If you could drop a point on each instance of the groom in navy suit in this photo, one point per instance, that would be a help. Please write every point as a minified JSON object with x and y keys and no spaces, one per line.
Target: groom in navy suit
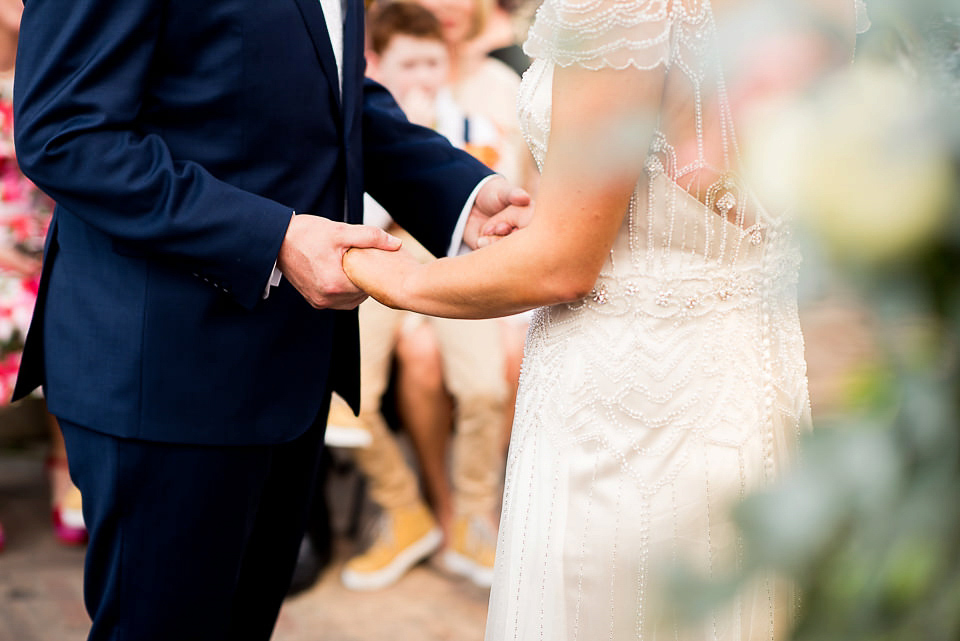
{"x":208,"y":158}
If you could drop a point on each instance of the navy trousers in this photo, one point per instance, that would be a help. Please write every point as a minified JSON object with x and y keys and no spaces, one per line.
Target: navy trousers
{"x":190,"y":542}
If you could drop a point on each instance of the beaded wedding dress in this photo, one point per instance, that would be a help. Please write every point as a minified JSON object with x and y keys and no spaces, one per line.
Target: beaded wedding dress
{"x":679,"y":385}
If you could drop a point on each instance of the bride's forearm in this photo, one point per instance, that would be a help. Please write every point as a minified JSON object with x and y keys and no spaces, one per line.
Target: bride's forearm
{"x":546,"y":263}
{"x":520,"y":272}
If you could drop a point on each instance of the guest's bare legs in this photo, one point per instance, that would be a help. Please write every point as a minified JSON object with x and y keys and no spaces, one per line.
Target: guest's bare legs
{"x":426,"y":412}
{"x":471,"y":368}
{"x":60,"y":483}
{"x":392,"y":483}
{"x":407,"y":532}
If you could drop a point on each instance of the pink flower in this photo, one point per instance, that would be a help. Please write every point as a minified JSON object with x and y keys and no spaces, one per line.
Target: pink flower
{"x":32,"y":286}
{"x":6,"y":117}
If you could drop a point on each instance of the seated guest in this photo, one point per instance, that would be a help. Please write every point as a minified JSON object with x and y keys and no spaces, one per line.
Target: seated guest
{"x":410,"y":58}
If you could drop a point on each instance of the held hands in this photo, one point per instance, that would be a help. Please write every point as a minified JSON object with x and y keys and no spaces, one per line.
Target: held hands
{"x":314,"y":255}
{"x":383,"y":275}
{"x":390,"y":277}
{"x":394,"y":278}
{"x":498,"y":210}
{"x":311,"y":256}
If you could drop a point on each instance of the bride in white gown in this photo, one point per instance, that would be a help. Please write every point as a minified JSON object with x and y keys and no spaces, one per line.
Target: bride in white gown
{"x":664,"y":375}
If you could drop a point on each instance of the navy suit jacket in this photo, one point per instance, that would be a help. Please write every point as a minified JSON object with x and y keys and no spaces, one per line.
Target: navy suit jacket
{"x":177,"y":136}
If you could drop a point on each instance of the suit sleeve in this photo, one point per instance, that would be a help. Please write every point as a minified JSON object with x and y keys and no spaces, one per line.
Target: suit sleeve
{"x":415,"y":173}
{"x":82,"y":70}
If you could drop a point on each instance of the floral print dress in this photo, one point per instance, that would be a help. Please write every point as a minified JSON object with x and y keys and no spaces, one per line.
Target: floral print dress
{"x":24,"y":217}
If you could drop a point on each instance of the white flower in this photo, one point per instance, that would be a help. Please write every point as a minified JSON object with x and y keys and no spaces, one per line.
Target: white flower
{"x":7,"y":329}
{"x":862,"y":162}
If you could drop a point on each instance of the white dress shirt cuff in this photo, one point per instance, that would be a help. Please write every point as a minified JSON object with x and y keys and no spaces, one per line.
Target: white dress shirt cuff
{"x":457,"y":246}
{"x":275,"y":275}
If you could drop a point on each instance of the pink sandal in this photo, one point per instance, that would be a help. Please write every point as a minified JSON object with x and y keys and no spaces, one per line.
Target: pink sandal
{"x":67,"y":513}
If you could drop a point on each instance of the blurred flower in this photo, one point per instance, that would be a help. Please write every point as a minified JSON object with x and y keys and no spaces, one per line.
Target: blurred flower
{"x":862,"y":161}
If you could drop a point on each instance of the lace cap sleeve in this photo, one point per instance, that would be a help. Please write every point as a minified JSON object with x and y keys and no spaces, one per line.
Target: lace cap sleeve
{"x":602,"y":33}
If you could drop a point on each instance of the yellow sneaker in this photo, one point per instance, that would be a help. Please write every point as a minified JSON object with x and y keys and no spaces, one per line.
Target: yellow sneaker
{"x":471,"y":550}
{"x":405,"y":537}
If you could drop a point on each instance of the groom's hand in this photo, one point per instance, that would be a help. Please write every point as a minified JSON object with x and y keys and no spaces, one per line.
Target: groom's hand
{"x":498,"y":209}
{"x":311,"y":258}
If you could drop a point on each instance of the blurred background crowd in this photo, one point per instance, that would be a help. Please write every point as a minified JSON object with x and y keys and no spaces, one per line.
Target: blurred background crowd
{"x":869,"y":523}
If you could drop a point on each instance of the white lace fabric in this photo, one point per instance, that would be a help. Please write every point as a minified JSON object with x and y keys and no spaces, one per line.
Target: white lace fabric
{"x":677,"y":386}
{"x":619,"y":33}
{"x":602,"y":33}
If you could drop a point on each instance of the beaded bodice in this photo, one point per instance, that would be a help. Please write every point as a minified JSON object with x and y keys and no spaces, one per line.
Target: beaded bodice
{"x":698,"y":254}
{"x":693,"y":215}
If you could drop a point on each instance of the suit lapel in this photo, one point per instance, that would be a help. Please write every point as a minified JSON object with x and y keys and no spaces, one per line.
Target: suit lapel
{"x":313,"y":16}
{"x":353,"y":65}
{"x":352,"y":52}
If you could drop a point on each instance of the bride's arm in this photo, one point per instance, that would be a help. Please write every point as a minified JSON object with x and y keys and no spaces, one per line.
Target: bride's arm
{"x":601,"y":125}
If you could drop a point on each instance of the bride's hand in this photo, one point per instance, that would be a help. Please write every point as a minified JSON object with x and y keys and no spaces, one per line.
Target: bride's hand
{"x":381,"y":274}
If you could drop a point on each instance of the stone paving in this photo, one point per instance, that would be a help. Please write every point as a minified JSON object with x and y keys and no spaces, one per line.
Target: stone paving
{"x":41,"y":584}
{"x":40,"y":580}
